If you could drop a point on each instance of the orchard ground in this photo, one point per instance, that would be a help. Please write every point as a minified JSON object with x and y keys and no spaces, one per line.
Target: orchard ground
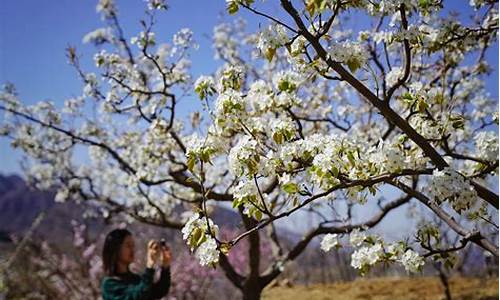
{"x":421,"y":288}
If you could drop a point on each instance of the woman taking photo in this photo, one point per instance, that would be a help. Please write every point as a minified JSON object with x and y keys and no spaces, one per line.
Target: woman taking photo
{"x":120,"y":283}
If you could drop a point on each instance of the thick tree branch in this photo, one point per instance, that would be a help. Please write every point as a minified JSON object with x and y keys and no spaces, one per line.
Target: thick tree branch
{"x":346,"y":184}
{"x":406,"y":44}
{"x":275,"y":270}
{"x":230,"y":272}
{"x":392,"y":116}
{"x":474,"y":237}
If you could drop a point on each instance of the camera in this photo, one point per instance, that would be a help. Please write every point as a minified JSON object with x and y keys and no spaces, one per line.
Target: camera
{"x":163,"y":243}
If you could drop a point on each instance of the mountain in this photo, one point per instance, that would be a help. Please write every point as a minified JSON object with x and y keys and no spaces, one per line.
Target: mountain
{"x":20,"y":205}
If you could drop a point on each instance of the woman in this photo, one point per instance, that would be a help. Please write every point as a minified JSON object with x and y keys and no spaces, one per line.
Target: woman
{"x":120,"y":283}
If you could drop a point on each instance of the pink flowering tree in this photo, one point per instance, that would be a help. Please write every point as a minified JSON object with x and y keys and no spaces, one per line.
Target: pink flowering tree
{"x":41,"y":269}
{"x":305,"y":116}
{"x":75,"y":271}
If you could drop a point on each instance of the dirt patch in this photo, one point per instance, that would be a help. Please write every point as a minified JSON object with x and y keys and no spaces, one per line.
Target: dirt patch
{"x":419,"y":288}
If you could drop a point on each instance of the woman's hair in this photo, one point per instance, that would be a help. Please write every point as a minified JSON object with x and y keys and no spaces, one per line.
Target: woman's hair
{"x":111,"y":250}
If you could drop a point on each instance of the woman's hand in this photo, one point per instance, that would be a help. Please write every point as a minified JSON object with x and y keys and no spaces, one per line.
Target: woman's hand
{"x":166,"y":256}
{"x":152,"y":254}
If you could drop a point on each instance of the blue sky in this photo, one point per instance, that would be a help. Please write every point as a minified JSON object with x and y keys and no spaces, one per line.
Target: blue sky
{"x":34,"y":34}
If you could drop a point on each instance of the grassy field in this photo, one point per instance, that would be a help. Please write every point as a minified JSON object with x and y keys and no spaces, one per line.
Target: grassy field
{"x":425,"y":288}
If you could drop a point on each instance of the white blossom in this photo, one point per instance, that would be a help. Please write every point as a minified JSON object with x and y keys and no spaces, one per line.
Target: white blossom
{"x":99,"y":36}
{"x":285,"y":99}
{"x":90,"y":85}
{"x":412,"y":261}
{"x":487,"y":145}
{"x":393,"y":76}
{"x":356,"y":237}
{"x":447,"y":184}
{"x":196,"y":222}
{"x":144,"y":39}
{"x":260,"y":96}
{"x":284,"y":127}
{"x":287,"y":81}
{"x":183,"y":37}
{"x":388,"y":157}
{"x":244,"y":189}
{"x":207,"y":253}
{"x":429,"y":129}
{"x":271,"y":38}
{"x":352,"y":54}
{"x":106,"y":7}
{"x":329,"y":241}
{"x":297,"y":46}
{"x":156,"y":4}
{"x":71,"y":106}
{"x":194,"y":144}
{"x":241,"y":155}
{"x":204,"y":86}
{"x":230,"y":102}
{"x":366,"y":256}
{"x":231,"y":78}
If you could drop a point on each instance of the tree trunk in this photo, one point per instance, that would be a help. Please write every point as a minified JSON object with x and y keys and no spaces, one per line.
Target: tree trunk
{"x":444,"y":281}
{"x":252,"y":294}
{"x":252,"y":290}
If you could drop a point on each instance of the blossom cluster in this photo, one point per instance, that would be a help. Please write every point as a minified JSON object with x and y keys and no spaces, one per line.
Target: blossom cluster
{"x":352,"y":54}
{"x":329,"y":241}
{"x":243,"y":158}
{"x":371,"y":249}
{"x":487,"y":145}
{"x":270,"y":39}
{"x":197,"y":236}
{"x":247,"y":194}
{"x":204,"y":86}
{"x":448,"y":184}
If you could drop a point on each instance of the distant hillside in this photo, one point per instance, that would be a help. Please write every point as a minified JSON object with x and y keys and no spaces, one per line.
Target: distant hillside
{"x":20,"y":204}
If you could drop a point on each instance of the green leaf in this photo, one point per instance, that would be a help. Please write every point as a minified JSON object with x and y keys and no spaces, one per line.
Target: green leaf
{"x":224,"y":248}
{"x":402,"y":138}
{"x":232,"y":7}
{"x":269,"y":53}
{"x":316,"y":6}
{"x":424,"y":3}
{"x":457,"y":121}
{"x":290,"y":188}
{"x":201,"y":240}
{"x":311,"y":7}
{"x":407,"y":96}
{"x":421,"y":105}
{"x":350,"y":157}
{"x":278,"y":137}
{"x":191,"y":161}
{"x":353,"y":65}
{"x":236,"y":203}
{"x":253,"y":166}
{"x":372,"y":190}
{"x":335,"y":172}
{"x":288,"y":135}
{"x":258,"y":215}
{"x":195,"y":236}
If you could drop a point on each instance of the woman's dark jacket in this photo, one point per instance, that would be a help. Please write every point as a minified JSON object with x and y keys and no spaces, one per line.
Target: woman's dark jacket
{"x":131,"y":286}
